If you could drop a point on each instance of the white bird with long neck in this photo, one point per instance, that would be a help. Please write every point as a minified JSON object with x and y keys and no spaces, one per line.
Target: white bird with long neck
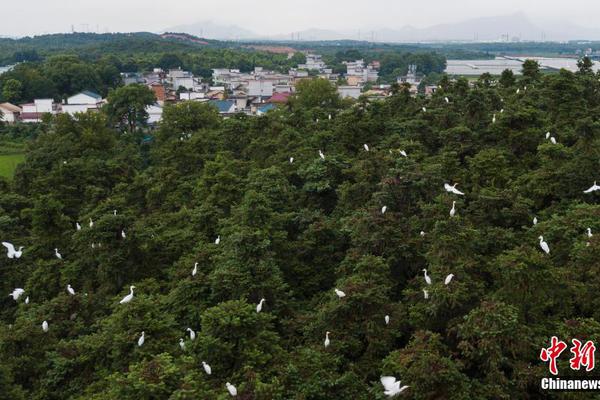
{"x":207,"y":368}
{"x":392,"y":386}
{"x":427,"y":277}
{"x":57,"y":254}
{"x":77,"y":226}
{"x":447,"y":100}
{"x":11,"y":252}
{"x":453,"y":209}
{"x":448,"y":279}
{"x":387,"y":319}
{"x":91,"y":223}
{"x":70,"y":290}
{"x":452,"y":189}
{"x":327,"y":342}
{"x":45,"y":326}
{"x":425,"y":294}
{"x":321,"y":154}
{"x":195,"y":270}
{"x":535,"y":220}
{"x":231,"y":389}
{"x":589,"y":232}
{"x":383,"y":209}
{"x":592,"y":189}
{"x":339,"y":293}
{"x":553,"y":140}
{"x":123,"y":234}
{"x":27,"y":300}
{"x":141,"y":339}
{"x":129,"y":297}
{"x":544,"y":245}
{"x":548,"y":134}
{"x":494,"y":119}
{"x":182,"y":344}
{"x":192,"y":334}
{"x":366,"y":147}
{"x":291,"y":160}
{"x":218,"y":239}
{"x":259,"y":306}
{"x":403,"y":153}
{"x":16,"y":293}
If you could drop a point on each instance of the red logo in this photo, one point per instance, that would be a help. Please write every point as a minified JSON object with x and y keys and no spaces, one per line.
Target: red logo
{"x":552,"y":353}
{"x":583,"y":355}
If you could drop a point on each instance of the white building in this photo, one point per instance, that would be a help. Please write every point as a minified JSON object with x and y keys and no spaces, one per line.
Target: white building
{"x":154,"y":114}
{"x":349,"y":91}
{"x":313,"y":62}
{"x":82,"y":102}
{"x":9,"y":113}
{"x":260,"y":88}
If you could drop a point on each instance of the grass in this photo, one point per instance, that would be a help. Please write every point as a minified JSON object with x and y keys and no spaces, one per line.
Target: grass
{"x":9,"y":162}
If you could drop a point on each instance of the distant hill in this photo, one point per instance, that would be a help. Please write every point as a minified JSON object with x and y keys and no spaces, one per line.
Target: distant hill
{"x":211,"y":30}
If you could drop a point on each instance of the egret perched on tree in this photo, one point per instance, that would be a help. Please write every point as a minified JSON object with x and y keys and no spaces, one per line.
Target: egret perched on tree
{"x":424,"y":109}
{"x":403,"y":153}
{"x":447,"y":100}
{"x":392,"y":386}
{"x":427,"y":277}
{"x":18,"y":292}
{"x":77,"y":226}
{"x":45,"y":326}
{"x":182,"y":344}
{"x":57,"y":254}
{"x":11,"y":252}
{"x":192,"y":334}
{"x":339,"y":293}
{"x":321,"y":154}
{"x":592,"y":189}
{"x":231,"y":389}
{"x":548,"y":135}
{"x":589,"y":232}
{"x":291,"y":160}
{"x":142,"y":339}
{"x":218,"y":239}
{"x":494,"y":119}
{"x":129,"y":297}
{"x":387,"y":319}
{"x":422,"y":233}
{"x":91,"y":223}
{"x":70,"y":290}
{"x":383,"y":209}
{"x":114,"y":212}
{"x":553,"y":140}
{"x":535,"y":220}
{"x":195,"y":270}
{"x":123,"y":235}
{"x":207,"y":368}
{"x":27,"y":300}
{"x":448,"y":279}
{"x":327,"y":342}
{"x":544,"y":245}
{"x":366,"y":146}
{"x":259,"y":306}
{"x":453,"y":189}
{"x":425,"y":294}
{"x":453,"y":209}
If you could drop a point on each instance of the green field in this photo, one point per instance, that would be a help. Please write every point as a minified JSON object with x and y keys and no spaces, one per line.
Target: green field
{"x":8,"y":164}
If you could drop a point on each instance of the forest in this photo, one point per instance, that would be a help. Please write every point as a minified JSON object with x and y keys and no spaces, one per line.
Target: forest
{"x":306,"y":253}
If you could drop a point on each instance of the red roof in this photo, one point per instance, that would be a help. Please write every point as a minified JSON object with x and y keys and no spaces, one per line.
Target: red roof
{"x":280,"y":97}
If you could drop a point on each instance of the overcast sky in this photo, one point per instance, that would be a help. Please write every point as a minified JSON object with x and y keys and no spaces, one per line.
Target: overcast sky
{"x":268,"y":17}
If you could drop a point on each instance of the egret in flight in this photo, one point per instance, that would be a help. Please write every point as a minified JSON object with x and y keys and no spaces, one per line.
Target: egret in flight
{"x":544,"y":245}
{"x":259,"y":306}
{"x":427,"y":277}
{"x":129,"y":297}
{"x":392,"y":386}
{"x":339,"y":293}
{"x":453,"y":189}
{"x":18,"y":292}
{"x":11,"y":252}
{"x":590,"y":190}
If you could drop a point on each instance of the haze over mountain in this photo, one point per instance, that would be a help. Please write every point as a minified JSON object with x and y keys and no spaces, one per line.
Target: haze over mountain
{"x":505,"y":27}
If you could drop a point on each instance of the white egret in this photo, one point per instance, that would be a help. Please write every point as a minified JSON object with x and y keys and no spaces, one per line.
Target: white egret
{"x":182,"y":344}
{"x":45,"y":326}
{"x":423,"y":233}
{"x":218,"y":239}
{"x":321,"y":154}
{"x":448,"y":279}
{"x":403,"y":153}
{"x":548,"y":135}
{"x":453,"y":209}
{"x":207,"y":368}
{"x":195,"y":270}
{"x":535,"y":220}
{"x":339,"y":293}
{"x":589,"y":232}
{"x":192,"y":334}
{"x":501,"y":110}
{"x":259,"y":306}
{"x":425,"y":294}
{"x":11,"y":252}
{"x":77,"y":226}
{"x":594,"y":188}
{"x":18,"y":292}
{"x":129,"y":297}
{"x":330,"y":116}
{"x":123,"y":235}
{"x":447,"y":100}
{"x":327,"y":342}
{"x":57,"y":254}
{"x":366,"y":146}
{"x":392,"y":386}
{"x":91,"y":223}
{"x":553,"y":140}
{"x":231,"y":389}
{"x":142,"y":339}
{"x":427,"y":277}
{"x":544,"y":245}
{"x":114,"y":212}
{"x":383,"y":209}
{"x":494,"y":119}
{"x":424,"y":109}
{"x":27,"y":300}
{"x":453,"y":189}
{"x":387,"y":319}
{"x":70,"y":290}
{"x":291,"y":160}
{"x":518,"y":90}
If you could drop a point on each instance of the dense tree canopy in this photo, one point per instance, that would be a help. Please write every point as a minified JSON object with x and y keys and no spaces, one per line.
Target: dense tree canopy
{"x":291,"y":232}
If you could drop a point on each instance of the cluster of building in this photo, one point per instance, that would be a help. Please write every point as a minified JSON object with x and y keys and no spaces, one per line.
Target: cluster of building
{"x":231,"y":91}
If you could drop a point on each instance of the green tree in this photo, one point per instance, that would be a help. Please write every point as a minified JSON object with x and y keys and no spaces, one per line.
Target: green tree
{"x":127,"y":106}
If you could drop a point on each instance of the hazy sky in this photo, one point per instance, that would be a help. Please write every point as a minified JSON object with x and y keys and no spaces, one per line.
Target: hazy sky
{"x":273,"y":16}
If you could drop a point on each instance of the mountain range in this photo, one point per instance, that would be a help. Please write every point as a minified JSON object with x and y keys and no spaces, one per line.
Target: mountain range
{"x":505,"y":27}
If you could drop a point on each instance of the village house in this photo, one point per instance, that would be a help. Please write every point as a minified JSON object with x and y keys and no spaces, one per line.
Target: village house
{"x":9,"y":113}
{"x":33,"y":112}
{"x":82,"y":102}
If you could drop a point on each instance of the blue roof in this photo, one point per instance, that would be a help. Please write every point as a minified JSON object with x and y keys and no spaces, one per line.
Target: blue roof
{"x":223,"y":105}
{"x":266,"y":107}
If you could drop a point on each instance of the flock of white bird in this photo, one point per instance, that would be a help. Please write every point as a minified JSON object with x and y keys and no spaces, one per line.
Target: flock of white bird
{"x":392,"y":387}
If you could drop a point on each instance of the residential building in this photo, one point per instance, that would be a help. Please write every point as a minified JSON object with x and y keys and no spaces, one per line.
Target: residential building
{"x":314,"y":62}
{"x":154,"y":114}
{"x":82,"y":102}
{"x":349,"y":91}
{"x":9,"y":113}
{"x":262,"y":88}
{"x":33,"y":112}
